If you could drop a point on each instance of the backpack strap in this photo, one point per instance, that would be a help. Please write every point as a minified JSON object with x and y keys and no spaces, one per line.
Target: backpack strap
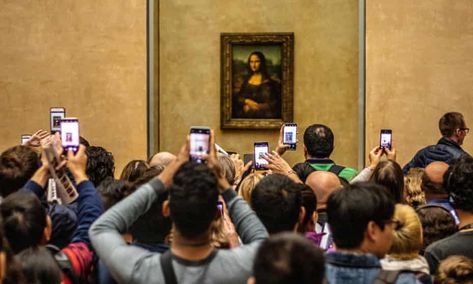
{"x":387,"y":276}
{"x":336,"y":169}
{"x":166,"y":267}
{"x":64,"y":263}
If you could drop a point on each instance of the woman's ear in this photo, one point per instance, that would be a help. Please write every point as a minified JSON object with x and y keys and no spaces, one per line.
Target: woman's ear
{"x":166,"y":210}
{"x":48,"y":230}
{"x":251,"y":280}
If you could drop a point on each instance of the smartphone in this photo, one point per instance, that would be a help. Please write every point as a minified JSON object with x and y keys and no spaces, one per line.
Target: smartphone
{"x":290,"y":135}
{"x":56,"y":114}
{"x":247,"y":158}
{"x":199,"y":143}
{"x":386,"y":139}
{"x":261,"y":148}
{"x":220,"y":208}
{"x":70,"y":133}
{"x":25,"y":138}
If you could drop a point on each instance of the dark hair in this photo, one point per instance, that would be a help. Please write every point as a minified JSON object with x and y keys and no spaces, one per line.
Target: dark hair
{"x":350,"y":209}
{"x":262,"y":66}
{"x":309,"y":201}
{"x":111,"y":191}
{"x":12,"y":273}
{"x":449,"y":122}
{"x":437,"y":223}
{"x":277,"y":201}
{"x":288,"y":258}
{"x":455,"y":269}
{"x":24,"y":220}
{"x":193,"y":199}
{"x":17,"y":166}
{"x":318,"y":139}
{"x":39,"y":266}
{"x":100,"y":164}
{"x":151,"y":227}
{"x":459,"y":184}
{"x":84,"y":141}
{"x":389,"y":174}
{"x":134,"y":170}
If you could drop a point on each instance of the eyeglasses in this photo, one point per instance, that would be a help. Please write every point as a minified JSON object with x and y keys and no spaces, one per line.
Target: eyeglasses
{"x":466,"y":129}
{"x":396,"y":223}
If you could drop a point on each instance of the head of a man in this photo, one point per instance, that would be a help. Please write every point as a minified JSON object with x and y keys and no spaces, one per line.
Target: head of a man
{"x":161,"y":159}
{"x":323,"y":184}
{"x":193,"y":200}
{"x":432,"y":180}
{"x":25,"y":221}
{"x":17,"y":166}
{"x":318,"y":141}
{"x":360,"y":217}
{"x":459,"y":185}
{"x":452,"y":125}
{"x":277,"y":202}
{"x":100,"y":164}
{"x":288,"y":258}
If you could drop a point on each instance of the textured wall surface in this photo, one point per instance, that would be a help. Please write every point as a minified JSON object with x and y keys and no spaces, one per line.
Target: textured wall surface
{"x":325,"y":75}
{"x":419,"y":66}
{"x":88,"y":56}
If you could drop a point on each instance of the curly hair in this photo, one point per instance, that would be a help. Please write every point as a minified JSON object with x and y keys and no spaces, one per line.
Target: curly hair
{"x":455,"y":269}
{"x":437,"y":223}
{"x":100,"y":164}
{"x":413,"y":194}
{"x":459,"y":184}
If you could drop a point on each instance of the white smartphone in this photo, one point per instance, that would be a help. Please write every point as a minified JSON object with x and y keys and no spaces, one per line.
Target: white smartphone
{"x":56,"y":114}
{"x":199,"y":143}
{"x":70,"y":133}
{"x":290,"y":135}
{"x":25,"y":138}
{"x":260,"y":148}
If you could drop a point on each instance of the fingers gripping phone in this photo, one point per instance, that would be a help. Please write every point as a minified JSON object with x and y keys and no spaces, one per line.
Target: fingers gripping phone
{"x":70,"y":134}
{"x":290,"y":135}
{"x":56,"y":114}
{"x":385,"y":139}
{"x":261,"y":148}
{"x":199,"y":143}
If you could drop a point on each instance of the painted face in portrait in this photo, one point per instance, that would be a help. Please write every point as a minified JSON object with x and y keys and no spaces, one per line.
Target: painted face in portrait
{"x":255,"y":63}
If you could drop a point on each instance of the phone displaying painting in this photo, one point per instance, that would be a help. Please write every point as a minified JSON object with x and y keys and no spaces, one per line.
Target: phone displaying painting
{"x":257,"y":80}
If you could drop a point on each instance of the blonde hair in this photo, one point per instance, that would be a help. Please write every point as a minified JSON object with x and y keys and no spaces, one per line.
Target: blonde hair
{"x":415,"y":196}
{"x":455,"y":269}
{"x":407,"y":240}
{"x":248,"y":184}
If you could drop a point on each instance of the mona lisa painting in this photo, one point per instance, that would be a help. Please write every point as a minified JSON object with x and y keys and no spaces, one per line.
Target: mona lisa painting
{"x":257,"y":80}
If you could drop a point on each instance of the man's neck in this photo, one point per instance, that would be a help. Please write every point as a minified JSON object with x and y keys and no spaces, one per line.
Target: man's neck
{"x":466,"y":218}
{"x":191,"y":249}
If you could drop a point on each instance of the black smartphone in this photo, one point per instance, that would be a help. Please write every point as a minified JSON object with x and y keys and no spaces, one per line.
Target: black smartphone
{"x":386,"y":139}
{"x":290,"y":135}
{"x":70,"y":134}
{"x":56,"y":114}
{"x":25,"y":138}
{"x":199,"y":143}
{"x":261,"y":148}
{"x":247,"y":158}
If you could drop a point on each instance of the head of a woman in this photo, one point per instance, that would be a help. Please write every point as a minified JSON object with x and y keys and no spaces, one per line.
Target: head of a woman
{"x":257,"y":63}
{"x":134,"y":170}
{"x":407,"y":240}
{"x":247,"y":185}
{"x":414,"y":195}
{"x":389,"y":174}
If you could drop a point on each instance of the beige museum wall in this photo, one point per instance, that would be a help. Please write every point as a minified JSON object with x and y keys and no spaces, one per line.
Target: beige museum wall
{"x":418,"y":66}
{"x":326,"y":67}
{"x":88,"y":56}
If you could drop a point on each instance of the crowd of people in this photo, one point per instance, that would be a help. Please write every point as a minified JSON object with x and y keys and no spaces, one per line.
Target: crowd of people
{"x":65,"y":218}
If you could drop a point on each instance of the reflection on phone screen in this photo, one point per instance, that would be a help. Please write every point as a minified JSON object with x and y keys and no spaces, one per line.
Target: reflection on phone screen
{"x":289,"y":134}
{"x":199,"y":143}
{"x":70,"y":134}
{"x":386,"y":140}
{"x":260,"y":150}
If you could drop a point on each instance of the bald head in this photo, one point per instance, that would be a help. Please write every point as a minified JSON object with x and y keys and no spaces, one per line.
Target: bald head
{"x":323,"y":184}
{"x":432,"y":180}
{"x":161,"y":158}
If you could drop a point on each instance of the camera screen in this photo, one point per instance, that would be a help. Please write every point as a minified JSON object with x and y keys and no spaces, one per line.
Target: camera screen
{"x":199,"y":145}
{"x":70,"y":134}
{"x":385,"y":140}
{"x":56,"y":116}
{"x":289,"y":135}
{"x":260,"y":150}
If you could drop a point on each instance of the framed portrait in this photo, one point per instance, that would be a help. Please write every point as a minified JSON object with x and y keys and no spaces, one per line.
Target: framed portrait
{"x":256,"y":80}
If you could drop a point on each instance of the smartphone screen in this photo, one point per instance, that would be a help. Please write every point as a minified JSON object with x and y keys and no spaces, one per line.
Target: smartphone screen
{"x":56,"y":114}
{"x":290,"y":135}
{"x":220,"y":208}
{"x":25,"y":138}
{"x":70,"y":134}
{"x":199,"y":143}
{"x":261,"y":148}
{"x":385,"y":139}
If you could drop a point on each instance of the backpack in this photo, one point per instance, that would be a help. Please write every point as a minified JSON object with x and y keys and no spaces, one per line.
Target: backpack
{"x":64,"y":263}
{"x":303,"y":170}
{"x":390,"y":276}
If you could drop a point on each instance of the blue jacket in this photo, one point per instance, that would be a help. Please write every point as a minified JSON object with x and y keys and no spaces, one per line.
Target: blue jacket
{"x":341,"y":268}
{"x":445,"y":151}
